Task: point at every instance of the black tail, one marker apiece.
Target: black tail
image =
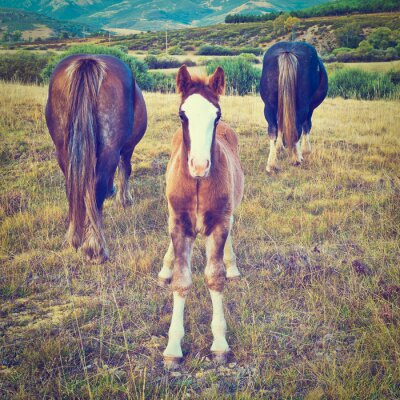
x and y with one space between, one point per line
287 84
85 79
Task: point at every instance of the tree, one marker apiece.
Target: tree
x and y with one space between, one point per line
16 36
291 22
279 24
349 35
382 38
5 36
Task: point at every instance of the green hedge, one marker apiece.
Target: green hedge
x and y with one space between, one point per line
358 84
23 66
166 62
241 76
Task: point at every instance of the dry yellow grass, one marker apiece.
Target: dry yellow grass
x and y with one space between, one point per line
316 314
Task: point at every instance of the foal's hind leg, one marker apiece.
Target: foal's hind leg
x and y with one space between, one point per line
215 278
124 172
232 271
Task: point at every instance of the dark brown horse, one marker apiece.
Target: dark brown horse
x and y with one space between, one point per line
96 115
293 83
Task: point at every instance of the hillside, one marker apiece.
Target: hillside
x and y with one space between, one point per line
319 31
33 25
152 15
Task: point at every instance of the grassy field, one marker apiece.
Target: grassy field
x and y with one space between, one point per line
316 314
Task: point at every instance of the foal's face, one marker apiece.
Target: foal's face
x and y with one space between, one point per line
199 117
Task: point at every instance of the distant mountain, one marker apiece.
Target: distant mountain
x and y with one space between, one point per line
33 25
152 14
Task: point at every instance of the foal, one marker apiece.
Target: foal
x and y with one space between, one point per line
204 186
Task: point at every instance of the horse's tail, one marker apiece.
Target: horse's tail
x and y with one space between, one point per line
85 76
287 84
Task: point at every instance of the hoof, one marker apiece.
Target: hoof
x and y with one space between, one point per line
272 168
233 275
172 363
297 163
98 259
220 357
164 282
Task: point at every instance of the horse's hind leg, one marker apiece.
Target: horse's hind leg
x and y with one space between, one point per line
165 275
232 271
94 245
270 116
305 144
124 172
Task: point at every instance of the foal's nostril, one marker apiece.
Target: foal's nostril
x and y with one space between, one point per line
191 162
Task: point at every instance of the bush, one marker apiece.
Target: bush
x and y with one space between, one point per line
358 84
209 50
166 62
23 66
139 68
164 83
241 76
250 58
176 50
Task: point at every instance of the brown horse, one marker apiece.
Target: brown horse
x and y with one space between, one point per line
204 186
96 115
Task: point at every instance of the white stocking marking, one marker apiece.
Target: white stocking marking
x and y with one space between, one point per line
271 163
176 330
166 270
218 324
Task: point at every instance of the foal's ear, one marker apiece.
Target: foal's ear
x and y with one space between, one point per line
217 81
183 80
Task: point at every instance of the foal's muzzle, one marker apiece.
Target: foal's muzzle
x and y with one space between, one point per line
199 168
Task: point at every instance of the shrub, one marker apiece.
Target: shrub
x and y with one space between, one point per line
241 76
166 62
250 58
176 50
23 66
164 83
209 50
359 84
139 68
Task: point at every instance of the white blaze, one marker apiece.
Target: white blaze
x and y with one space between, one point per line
201 115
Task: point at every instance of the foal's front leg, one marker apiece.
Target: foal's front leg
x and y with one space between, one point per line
181 282
215 278
165 275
